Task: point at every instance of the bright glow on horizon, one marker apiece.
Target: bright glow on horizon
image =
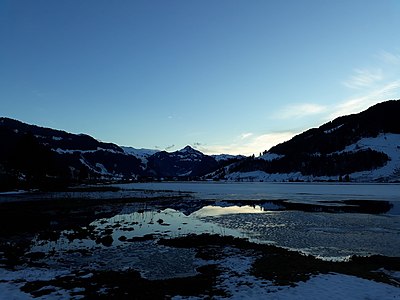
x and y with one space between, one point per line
253 144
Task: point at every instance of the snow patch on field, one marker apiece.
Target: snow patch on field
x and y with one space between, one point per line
221 157
270 156
263 176
72 151
333 129
388 143
102 169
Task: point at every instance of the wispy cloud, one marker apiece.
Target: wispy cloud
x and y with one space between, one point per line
375 85
299 110
367 86
246 135
360 103
364 78
389 57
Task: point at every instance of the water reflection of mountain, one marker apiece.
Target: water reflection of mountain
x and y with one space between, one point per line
342 206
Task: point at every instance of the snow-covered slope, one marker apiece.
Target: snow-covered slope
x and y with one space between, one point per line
142 154
222 157
61 155
363 146
359 147
188 154
270 156
388 143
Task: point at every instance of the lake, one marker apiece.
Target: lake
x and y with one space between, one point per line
118 228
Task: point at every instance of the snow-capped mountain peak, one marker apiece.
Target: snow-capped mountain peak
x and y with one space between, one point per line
188 154
139 153
189 150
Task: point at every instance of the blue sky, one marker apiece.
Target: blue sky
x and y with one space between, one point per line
223 76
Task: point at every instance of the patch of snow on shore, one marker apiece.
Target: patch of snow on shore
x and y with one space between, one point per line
239 284
334 286
12 281
325 286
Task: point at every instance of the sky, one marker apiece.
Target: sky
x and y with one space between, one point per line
226 76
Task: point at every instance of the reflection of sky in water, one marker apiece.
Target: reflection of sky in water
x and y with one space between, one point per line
153 261
167 222
212 210
326 235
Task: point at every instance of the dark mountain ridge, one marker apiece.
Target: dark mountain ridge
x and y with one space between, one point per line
186 163
33 156
337 134
56 138
321 151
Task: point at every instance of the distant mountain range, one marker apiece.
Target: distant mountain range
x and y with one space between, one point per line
33 156
358 147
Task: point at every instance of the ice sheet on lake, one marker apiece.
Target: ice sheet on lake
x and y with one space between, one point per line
330 236
271 191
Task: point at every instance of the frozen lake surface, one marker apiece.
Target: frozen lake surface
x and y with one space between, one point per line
308 193
328 220
298 191
327 235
